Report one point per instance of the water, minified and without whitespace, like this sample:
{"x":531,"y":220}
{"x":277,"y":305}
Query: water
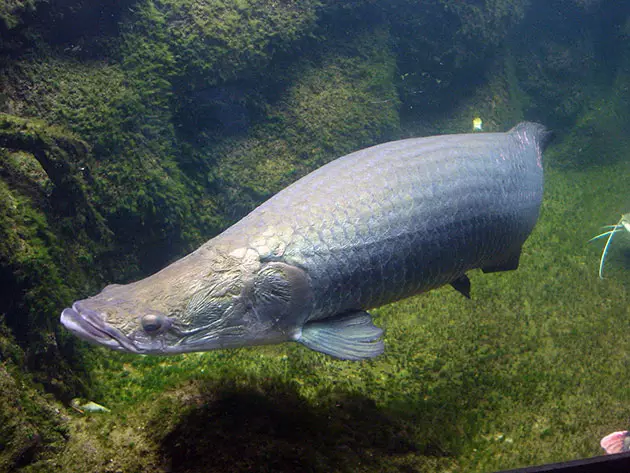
{"x":132,"y":132}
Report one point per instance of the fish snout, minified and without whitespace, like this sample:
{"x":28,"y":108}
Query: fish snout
{"x":83,"y":323}
{"x":89,"y":325}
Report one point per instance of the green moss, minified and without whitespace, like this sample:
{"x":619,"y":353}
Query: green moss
{"x":335,"y":104}
{"x":499,"y":102}
{"x":25,"y":247}
{"x":488,"y":22}
{"x":36,"y":268}
{"x":32,"y":427}
{"x":33,"y":284}
{"x":444,"y":51}
{"x":599,"y":134}
{"x":58,"y":153}
{"x":11,"y":11}
{"x":132,"y":172}
{"x":207,"y":43}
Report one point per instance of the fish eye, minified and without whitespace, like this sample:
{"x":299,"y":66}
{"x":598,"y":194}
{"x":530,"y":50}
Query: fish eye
{"x":152,"y":323}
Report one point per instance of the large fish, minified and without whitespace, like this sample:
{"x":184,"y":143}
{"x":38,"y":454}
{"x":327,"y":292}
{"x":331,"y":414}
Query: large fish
{"x":369,"y":228}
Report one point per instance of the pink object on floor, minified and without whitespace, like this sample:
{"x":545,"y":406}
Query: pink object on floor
{"x":617,"y":442}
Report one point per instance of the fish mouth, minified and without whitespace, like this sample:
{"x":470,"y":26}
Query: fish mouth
{"x":90,"y":326}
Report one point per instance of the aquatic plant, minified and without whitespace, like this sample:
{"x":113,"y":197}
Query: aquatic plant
{"x":622,"y":225}
{"x":336,"y":103}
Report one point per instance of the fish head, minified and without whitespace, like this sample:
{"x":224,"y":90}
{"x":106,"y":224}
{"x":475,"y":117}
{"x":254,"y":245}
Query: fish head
{"x":120,"y":319}
{"x":227,"y":309}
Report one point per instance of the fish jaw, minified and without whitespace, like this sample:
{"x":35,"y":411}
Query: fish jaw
{"x":89,"y":326}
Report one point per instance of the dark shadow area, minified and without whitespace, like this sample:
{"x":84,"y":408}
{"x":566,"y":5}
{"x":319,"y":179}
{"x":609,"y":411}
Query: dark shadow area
{"x":273,"y":428}
{"x":84,"y":29}
{"x":562,"y":67}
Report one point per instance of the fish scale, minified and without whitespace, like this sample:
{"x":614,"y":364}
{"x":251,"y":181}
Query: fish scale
{"x":428,"y":209}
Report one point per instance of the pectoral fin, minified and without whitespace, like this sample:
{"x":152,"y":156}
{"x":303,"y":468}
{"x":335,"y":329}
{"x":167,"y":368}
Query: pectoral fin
{"x":348,"y":337}
{"x":462,"y":285}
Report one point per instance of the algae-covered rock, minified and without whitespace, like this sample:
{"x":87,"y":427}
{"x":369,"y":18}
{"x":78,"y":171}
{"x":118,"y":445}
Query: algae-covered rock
{"x":60,"y":155}
{"x":49,"y":231}
{"x":32,"y":426}
{"x":444,"y":49}
{"x":564,"y":69}
{"x":601,"y":130}
{"x":11,"y":11}
{"x":336,"y":103}
{"x":33,"y":289}
{"x":132,"y":172}
{"x":221,"y":40}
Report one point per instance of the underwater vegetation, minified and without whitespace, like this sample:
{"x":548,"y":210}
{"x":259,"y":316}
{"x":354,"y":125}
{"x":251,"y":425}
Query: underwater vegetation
{"x":621,"y":226}
{"x":133,"y":131}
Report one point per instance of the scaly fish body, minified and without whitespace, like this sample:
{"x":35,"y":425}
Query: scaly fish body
{"x":370,"y":228}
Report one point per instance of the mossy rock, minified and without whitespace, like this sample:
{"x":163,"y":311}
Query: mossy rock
{"x":599,"y":135}
{"x":499,"y":102}
{"x":11,"y":11}
{"x":32,"y":426}
{"x":335,"y":104}
{"x":211,"y":42}
{"x":133,"y":176}
{"x":26,"y":251}
{"x":444,"y":49}
{"x":38,"y":266}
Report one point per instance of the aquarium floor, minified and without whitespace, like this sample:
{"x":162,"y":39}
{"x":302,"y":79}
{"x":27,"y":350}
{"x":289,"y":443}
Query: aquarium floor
{"x":534,"y":369}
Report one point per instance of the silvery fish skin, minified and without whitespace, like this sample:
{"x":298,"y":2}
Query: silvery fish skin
{"x":369,"y":228}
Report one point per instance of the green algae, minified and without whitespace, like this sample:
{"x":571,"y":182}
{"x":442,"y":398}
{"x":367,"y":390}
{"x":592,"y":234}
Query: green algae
{"x":221,"y":41}
{"x":601,"y":129}
{"x":59,"y":155}
{"x":335,"y":104}
{"x":132,"y":173}
{"x":12,"y":10}
{"x":31,"y":427}
{"x":32,"y":259}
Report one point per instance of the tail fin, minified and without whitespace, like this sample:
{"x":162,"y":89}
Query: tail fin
{"x":538,"y":132}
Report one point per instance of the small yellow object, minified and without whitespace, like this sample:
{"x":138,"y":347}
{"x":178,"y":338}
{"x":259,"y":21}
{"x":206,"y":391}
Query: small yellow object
{"x":477,"y":124}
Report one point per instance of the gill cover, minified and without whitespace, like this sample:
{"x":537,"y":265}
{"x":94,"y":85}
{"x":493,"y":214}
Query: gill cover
{"x":281,"y":295}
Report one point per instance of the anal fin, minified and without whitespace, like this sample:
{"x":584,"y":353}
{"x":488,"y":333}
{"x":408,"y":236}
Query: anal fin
{"x":350,"y":336}
{"x":462,"y":285}
{"x":508,"y":264}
